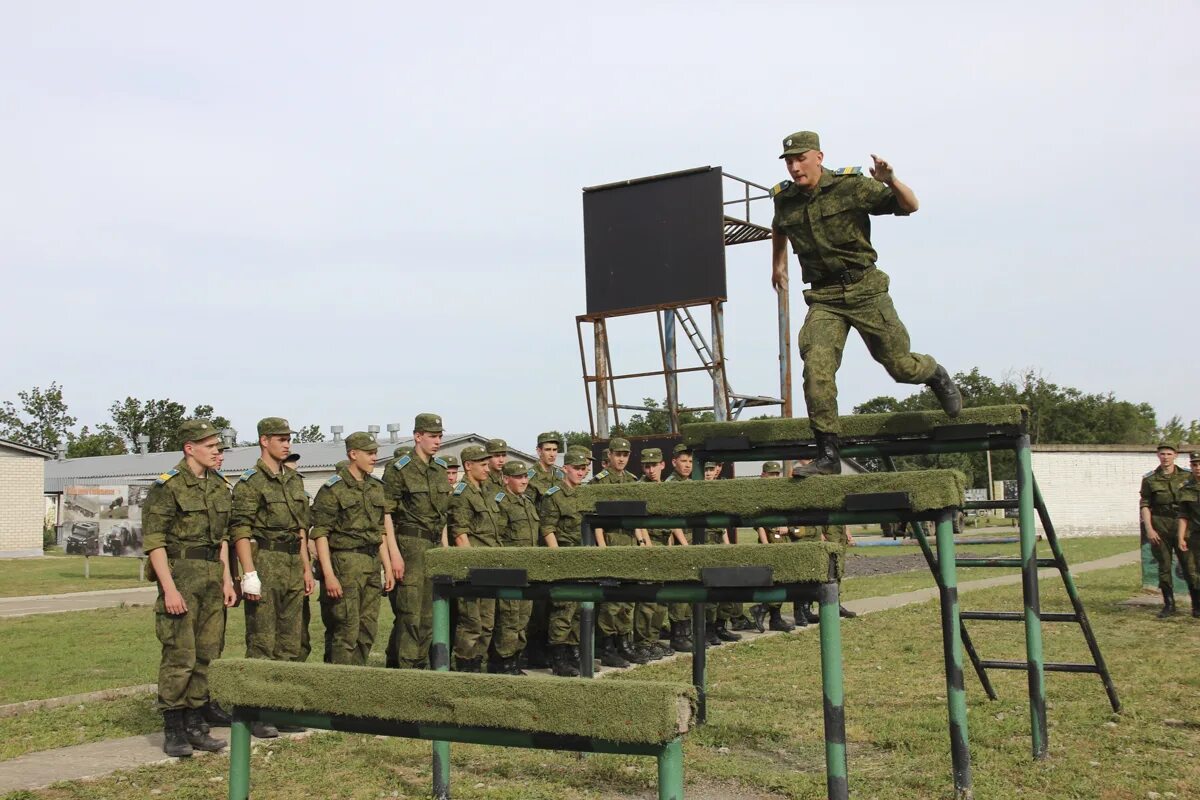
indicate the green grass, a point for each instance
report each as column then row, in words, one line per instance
column 79, row 724
column 765, row 709
column 59, row 574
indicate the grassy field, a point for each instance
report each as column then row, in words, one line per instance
column 764, row 735
column 59, row 574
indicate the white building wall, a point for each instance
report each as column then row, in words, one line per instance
column 22, row 507
column 1092, row 493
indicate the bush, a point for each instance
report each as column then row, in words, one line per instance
column 49, row 537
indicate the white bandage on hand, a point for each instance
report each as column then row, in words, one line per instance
column 251, row 584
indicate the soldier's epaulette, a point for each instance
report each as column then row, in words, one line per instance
column 248, row 474
column 1148, row 474
column 499, row 496
column 333, row 480
column 460, row 487
column 848, row 171
column 438, row 460
column 402, row 460
column 782, row 186
column 558, row 473
column 551, row 490
column 166, row 476
column 601, row 475
column 531, row 473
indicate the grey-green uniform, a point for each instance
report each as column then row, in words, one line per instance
column 519, row 527
column 271, row 509
column 1189, row 512
column 495, row 478
column 421, row 492
column 474, row 513
column 649, row 619
column 616, row 619
column 1160, row 492
column 561, row 518
column 829, row 229
column 349, row 513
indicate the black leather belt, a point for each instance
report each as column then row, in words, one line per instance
column 202, row 553
column 846, row 277
column 366, row 550
column 418, row 533
column 291, row 548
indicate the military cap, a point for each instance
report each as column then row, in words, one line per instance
column 274, row 426
column 292, row 457
column 196, row 430
column 576, row 458
column 473, row 452
column 497, row 447
column 428, row 423
column 710, row 465
column 402, row 451
column 1195, row 455
column 651, row 455
column 680, row 448
column 514, row 468
column 451, row 461
column 550, row 437
column 1166, row 446
column 361, row 440
column 772, row 466
column 619, row 444
column 800, row 142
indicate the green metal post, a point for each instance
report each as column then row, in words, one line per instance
column 1035, row 658
column 956, row 695
column 670, row 771
column 440, row 661
column 836, row 782
column 239, row 760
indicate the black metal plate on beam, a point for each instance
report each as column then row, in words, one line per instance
column 621, row 508
column 974, row 430
column 726, row 443
column 737, row 576
column 496, row 576
column 878, row 501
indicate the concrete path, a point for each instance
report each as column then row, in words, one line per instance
column 76, row 601
column 98, row 759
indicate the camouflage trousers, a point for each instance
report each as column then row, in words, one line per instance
column 192, row 640
column 722, row 612
column 273, row 624
column 350, row 620
column 512, row 617
column 866, row 307
column 1168, row 534
column 616, row 619
column 412, row 603
column 563, row 625
column 476, row 621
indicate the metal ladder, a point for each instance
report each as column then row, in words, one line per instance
column 737, row 402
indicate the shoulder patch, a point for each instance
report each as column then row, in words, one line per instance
column 248, row 474
column 1148, row 474
column 333, row 480
column 166, row 476
column 438, row 460
column 848, row 171
column 460, row 487
column 551, row 490
column 601, row 475
column 531, row 474
column 499, row 496
column 782, row 186
column 402, row 460
column 558, row 473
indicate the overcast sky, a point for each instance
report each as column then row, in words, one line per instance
column 349, row 215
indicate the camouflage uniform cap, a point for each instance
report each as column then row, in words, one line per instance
column 1195, row 456
column 274, row 426
column 550, row 437
column 196, row 430
column 800, row 142
column 619, row 444
column 680, row 448
column 428, row 423
column 711, row 465
column 402, row 450
column 1166, row 446
column 451, row 461
column 576, row 458
column 512, row 469
column 473, row 452
column 497, row 447
column 652, row 455
column 772, row 466
column 361, row 440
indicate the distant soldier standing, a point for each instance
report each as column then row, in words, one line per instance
column 350, row 523
column 561, row 521
column 452, row 468
column 650, row 618
column 519, row 525
column 542, row 475
column 185, row 522
column 497, row 450
column 1188, row 536
column 825, row 215
column 1159, row 510
column 770, row 471
column 474, row 522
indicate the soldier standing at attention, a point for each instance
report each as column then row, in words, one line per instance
column 474, row 522
column 1188, row 537
column 542, row 475
column 770, row 471
column 650, row 618
column 497, row 450
column 825, row 215
column 314, row 568
column 561, row 520
column 185, row 521
column 269, row 531
column 1159, row 510
column 417, row 484
column 518, row 528
column 350, row 523
column 452, row 468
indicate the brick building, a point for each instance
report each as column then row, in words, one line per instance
column 22, row 507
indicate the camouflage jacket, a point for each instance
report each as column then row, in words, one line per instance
column 1160, row 492
column 518, row 520
column 607, row 476
column 560, row 514
column 473, row 511
column 182, row 510
column 1189, row 504
column 267, row 506
column 421, row 494
column 830, row 227
column 350, row 512
column 540, row 480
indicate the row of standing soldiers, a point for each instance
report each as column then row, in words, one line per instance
column 1169, row 506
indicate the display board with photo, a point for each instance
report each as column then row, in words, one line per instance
column 102, row 520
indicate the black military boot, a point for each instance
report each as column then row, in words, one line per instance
column 561, row 662
column 263, row 730
column 742, row 623
column 1168, row 609
column 760, row 613
column 778, row 623
column 846, row 613
column 468, row 664
column 945, row 391
column 609, row 657
column 724, row 634
column 197, row 737
column 681, row 637
column 828, row 460
column 175, row 741
column 215, row 716
column 635, row 652
column 1195, row 593
column 710, row 636
column 798, row 614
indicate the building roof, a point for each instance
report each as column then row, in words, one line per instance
column 314, row 457
column 24, row 449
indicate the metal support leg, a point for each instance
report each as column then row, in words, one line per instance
column 1029, row 586
column 239, row 760
column 440, row 661
column 700, row 661
column 670, row 771
column 836, row 783
column 956, row 696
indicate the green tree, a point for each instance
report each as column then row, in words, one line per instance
column 657, row 420
column 309, row 433
column 219, row 422
column 1176, row 433
column 41, row 421
column 578, row 439
column 104, row 442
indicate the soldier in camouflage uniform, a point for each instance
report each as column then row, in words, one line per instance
column 542, row 475
column 561, row 521
column 649, row 619
column 185, row 521
column 1159, row 510
column 474, row 522
column 723, row 618
column 350, row 525
column 770, row 471
column 269, row 528
column 417, row 484
column 453, row 467
column 519, row 527
column 291, row 462
column 614, row 621
column 825, row 215
column 1188, row 533
column 497, row 450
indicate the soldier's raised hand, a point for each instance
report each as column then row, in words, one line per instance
column 882, row 171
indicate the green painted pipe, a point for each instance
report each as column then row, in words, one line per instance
column 1029, row 588
column 239, row 760
column 670, row 771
